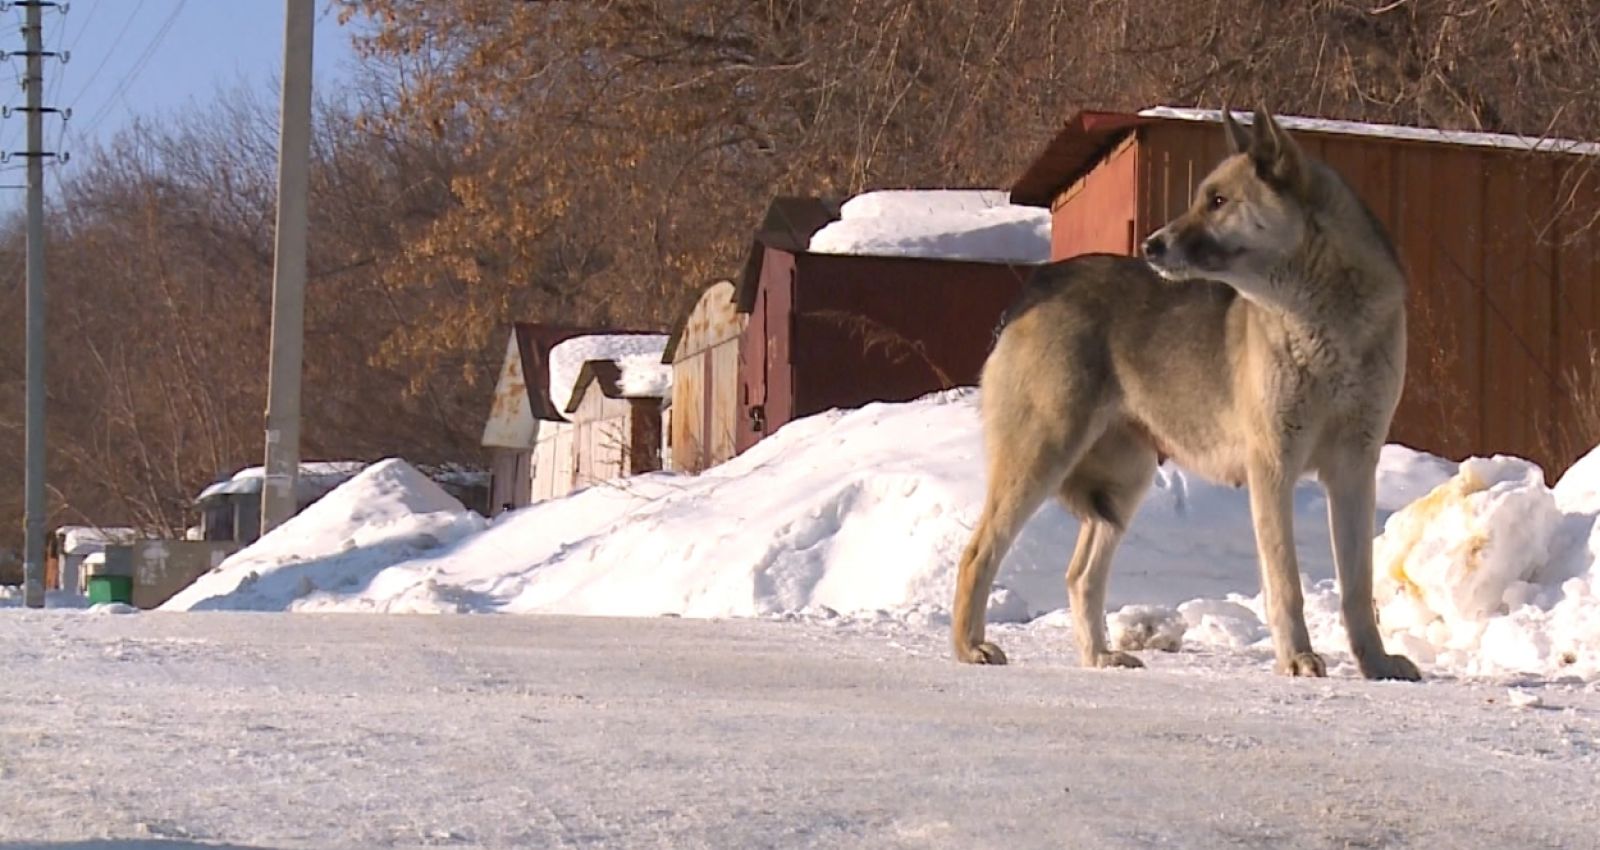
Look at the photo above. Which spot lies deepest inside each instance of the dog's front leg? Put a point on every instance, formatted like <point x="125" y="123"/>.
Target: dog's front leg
<point x="1352" y="501"/>
<point x="1271" y="508"/>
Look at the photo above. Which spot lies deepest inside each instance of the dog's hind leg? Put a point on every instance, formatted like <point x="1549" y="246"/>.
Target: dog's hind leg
<point x="1024" y="468"/>
<point x="1104" y="493"/>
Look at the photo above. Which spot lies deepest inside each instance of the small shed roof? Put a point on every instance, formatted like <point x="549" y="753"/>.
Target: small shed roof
<point x="1090" y="134"/>
<point x="88" y="539"/>
<point x="788" y="225"/>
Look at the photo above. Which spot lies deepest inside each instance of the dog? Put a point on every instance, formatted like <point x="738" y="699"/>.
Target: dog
<point x="1261" y="336"/>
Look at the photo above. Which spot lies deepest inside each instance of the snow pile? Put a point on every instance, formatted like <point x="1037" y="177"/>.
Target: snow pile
<point x="389" y="512"/>
<point x="863" y="514"/>
<point x="638" y="356"/>
<point x="316" y="478"/>
<point x="1491" y="573"/>
<point x="858" y="512"/>
<point x="938" y="223"/>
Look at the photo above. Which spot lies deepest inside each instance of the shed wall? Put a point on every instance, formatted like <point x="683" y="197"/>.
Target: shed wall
<point x="705" y="382"/>
<point x="892" y="329"/>
<point x="1096" y="214"/>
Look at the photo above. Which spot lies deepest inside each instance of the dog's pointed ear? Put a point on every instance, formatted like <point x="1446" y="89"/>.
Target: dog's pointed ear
<point x="1238" y="137"/>
<point x="1278" y="159"/>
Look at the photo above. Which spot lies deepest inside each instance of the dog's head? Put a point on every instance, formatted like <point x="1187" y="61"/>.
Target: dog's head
<point x="1248" y="214"/>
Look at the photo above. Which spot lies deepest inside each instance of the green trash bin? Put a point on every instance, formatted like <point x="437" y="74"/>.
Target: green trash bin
<point x="108" y="584"/>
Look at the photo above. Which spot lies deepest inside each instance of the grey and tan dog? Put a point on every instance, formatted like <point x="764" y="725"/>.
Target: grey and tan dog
<point x="1262" y="336"/>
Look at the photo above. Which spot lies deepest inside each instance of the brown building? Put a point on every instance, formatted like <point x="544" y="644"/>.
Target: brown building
<point x="1494" y="232"/>
<point x="831" y="330"/>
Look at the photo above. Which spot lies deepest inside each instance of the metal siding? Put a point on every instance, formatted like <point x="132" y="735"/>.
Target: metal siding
<point x="778" y="285"/>
<point x="752" y="371"/>
<point x="1576" y="317"/>
<point x="724" y="395"/>
<point x="1096" y="214"/>
<point x="949" y="310"/>
<point x="689" y="391"/>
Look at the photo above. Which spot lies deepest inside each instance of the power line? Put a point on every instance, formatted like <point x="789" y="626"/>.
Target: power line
<point x="133" y="71"/>
<point x="111" y="51"/>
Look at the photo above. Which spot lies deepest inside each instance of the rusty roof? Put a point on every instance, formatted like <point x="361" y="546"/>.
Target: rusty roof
<point x="1090" y="134"/>
<point x="788" y="225"/>
<point x="1082" y="141"/>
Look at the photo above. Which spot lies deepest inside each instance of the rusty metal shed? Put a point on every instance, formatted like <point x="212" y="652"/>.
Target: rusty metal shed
<point x="704" y="353"/>
<point x="833" y="330"/>
<point x="1493" y="230"/>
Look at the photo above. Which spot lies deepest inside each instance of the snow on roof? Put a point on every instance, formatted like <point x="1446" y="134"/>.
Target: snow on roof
<point x="1388" y="131"/>
<point x="951" y="224"/>
<point x="316" y="478"/>
<point x="637" y="355"/>
<point x="85" y="539"/>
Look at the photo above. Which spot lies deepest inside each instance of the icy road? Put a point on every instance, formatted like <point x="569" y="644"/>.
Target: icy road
<point x="165" y="731"/>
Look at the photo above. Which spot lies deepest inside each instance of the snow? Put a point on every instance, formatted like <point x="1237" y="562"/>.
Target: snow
<point x="1481" y="570"/>
<point x="954" y="224"/>
<point x="638" y="355"/>
<point x="303" y="731"/>
<point x="87" y="540"/>
<point x="316" y="478"/>
<point x="388" y="513"/>
<point x="1388" y="131"/>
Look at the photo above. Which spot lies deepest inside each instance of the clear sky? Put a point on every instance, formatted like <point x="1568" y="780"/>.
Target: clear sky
<point x="150" y="58"/>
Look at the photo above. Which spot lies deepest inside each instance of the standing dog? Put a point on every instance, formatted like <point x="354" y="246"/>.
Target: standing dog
<point x="1262" y="336"/>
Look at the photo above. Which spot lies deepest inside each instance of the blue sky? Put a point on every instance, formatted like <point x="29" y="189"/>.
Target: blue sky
<point x="148" y="58"/>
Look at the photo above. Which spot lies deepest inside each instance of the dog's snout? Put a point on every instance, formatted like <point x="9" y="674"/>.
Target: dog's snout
<point x="1155" y="246"/>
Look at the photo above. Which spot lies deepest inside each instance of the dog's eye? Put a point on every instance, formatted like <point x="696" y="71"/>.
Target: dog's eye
<point x="1216" y="201"/>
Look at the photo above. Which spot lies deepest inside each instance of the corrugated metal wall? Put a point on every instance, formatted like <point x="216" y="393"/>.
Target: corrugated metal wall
<point x="1505" y="292"/>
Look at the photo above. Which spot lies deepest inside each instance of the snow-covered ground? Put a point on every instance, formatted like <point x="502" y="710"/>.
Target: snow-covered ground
<point x="861" y="515"/>
<point x="281" y="731"/>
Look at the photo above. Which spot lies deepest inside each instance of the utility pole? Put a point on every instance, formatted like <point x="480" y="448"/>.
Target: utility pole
<point x="34" y="511"/>
<point x="289" y="271"/>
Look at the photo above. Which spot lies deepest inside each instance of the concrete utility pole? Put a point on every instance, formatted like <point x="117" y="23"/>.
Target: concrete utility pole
<point x="34" y="511"/>
<point x="289" y="271"/>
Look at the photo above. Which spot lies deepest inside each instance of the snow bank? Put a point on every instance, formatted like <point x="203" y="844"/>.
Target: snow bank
<point x="939" y="223"/>
<point x="1488" y="574"/>
<point x="316" y="478"/>
<point x="638" y="355"/>
<point x="858" y="512"/>
<point x="389" y="512"/>
<point x="1481" y="570"/>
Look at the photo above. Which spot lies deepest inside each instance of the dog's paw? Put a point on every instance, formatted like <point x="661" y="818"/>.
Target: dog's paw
<point x="1305" y="664"/>
<point x="983" y="653"/>
<point x="1389" y="667"/>
<point x="1115" y="659"/>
